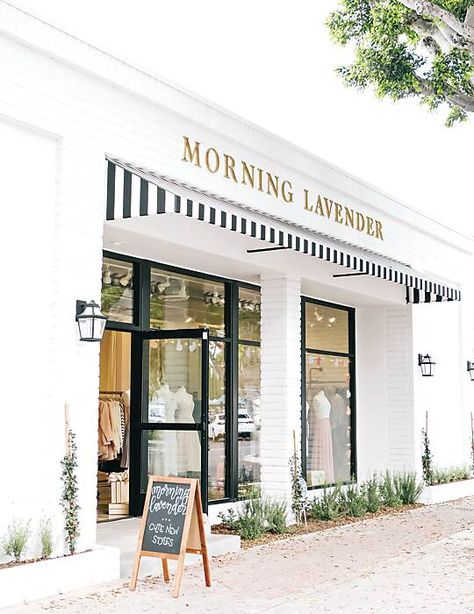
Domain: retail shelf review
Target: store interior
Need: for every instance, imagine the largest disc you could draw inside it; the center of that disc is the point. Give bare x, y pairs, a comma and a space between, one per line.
113, 454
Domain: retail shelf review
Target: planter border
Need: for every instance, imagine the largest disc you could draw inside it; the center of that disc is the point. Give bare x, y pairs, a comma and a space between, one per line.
440, 493
50, 577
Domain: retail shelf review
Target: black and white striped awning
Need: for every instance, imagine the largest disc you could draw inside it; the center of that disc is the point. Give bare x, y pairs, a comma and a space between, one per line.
136, 192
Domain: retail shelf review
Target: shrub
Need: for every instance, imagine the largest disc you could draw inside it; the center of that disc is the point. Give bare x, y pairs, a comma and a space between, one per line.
329, 505
388, 493
452, 474
46, 537
249, 519
70, 493
370, 490
275, 516
407, 488
354, 501
14, 544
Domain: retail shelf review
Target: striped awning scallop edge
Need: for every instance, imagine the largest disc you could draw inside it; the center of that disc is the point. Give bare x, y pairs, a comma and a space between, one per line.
136, 192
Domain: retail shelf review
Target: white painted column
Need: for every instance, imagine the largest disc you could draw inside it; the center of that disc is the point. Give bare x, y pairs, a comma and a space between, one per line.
281, 381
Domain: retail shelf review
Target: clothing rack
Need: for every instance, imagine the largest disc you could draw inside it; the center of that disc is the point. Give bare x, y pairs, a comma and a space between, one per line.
120, 392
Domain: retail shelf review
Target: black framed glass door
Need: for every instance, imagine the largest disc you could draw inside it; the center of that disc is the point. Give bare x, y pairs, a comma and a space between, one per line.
170, 432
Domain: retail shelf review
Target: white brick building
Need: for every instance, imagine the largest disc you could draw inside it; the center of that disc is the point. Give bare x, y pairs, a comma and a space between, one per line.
330, 309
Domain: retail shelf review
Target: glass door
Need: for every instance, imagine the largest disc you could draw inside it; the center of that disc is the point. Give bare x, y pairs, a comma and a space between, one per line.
171, 436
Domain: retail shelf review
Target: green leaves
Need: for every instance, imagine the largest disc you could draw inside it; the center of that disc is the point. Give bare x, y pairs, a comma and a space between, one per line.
70, 493
401, 54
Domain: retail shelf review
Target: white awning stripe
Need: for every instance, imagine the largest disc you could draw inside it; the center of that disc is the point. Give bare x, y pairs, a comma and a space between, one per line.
134, 192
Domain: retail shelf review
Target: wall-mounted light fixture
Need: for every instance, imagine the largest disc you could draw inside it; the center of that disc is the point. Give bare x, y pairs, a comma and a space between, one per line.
426, 364
470, 370
90, 321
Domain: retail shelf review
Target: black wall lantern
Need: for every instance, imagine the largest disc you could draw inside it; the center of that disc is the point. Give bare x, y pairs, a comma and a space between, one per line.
426, 365
470, 370
90, 321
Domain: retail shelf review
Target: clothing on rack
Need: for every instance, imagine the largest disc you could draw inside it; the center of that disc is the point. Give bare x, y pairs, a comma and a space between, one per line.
113, 421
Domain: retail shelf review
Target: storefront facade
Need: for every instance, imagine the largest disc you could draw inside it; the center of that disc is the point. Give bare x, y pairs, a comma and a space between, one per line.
264, 301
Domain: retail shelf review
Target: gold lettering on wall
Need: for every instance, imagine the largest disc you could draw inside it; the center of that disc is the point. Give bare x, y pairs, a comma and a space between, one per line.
271, 184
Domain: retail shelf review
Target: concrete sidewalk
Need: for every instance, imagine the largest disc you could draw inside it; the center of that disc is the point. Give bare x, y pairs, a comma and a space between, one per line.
418, 561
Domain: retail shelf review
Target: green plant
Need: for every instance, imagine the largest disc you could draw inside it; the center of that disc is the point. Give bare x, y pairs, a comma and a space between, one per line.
14, 544
354, 501
275, 516
407, 488
388, 493
299, 501
46, 538
70, 492
451, 474
329, 505
371, 491
427, 458
249, 518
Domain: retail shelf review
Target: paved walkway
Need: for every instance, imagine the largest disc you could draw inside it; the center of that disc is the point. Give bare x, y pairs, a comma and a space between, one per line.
418, 561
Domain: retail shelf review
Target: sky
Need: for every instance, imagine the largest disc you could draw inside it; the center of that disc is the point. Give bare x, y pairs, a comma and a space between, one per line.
272, 62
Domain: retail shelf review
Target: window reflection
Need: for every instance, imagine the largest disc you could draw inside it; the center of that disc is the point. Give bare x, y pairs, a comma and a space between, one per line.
217, 420
327, 328
249, 314
249, 418
117, 290
180, 301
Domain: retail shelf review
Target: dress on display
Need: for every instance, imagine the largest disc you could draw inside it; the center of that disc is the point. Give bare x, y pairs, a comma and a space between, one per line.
188, 443
320, 452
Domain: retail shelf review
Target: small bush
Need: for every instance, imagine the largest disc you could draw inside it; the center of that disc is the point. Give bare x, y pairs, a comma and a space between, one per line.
407, 488
249, 519
370, 490
354, 501
14, 544
329, 505
452, 474
275, 516
46, 537
388, 492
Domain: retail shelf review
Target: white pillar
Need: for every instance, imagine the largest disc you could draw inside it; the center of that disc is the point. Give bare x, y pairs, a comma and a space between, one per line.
281, 381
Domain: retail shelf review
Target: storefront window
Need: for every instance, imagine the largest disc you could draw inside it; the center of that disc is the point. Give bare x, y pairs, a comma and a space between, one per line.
175, 453
327, 428
249, 418
117, 290
249, 314
327, 328
217, 420
181, 301
174, 381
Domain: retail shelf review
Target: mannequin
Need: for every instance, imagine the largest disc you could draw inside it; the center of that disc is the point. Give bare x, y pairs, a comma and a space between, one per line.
320, 454
188, 444
340, 423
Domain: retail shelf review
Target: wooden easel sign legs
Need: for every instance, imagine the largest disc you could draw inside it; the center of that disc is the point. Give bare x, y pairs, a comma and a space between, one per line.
172, 525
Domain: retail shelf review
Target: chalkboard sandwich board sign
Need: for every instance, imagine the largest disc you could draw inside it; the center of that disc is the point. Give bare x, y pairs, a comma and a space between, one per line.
172, 525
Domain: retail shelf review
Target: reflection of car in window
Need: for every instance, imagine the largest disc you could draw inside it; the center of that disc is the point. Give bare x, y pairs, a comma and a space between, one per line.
217, 426
246, 425
156, 411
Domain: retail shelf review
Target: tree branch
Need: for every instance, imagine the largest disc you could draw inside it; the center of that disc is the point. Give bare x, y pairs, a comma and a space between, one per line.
459, 100
426, 7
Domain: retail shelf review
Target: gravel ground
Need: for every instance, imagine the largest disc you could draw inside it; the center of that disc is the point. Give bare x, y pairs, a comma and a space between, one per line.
418, 561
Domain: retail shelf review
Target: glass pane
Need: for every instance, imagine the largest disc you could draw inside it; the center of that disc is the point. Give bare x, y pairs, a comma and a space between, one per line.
249, 314
327, 328
179, 301
217, 420
249, 418
117, 290
166, 453
174, 384
328, 411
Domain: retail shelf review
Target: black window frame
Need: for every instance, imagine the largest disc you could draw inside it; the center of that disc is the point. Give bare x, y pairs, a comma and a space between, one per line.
351, 355
141, 324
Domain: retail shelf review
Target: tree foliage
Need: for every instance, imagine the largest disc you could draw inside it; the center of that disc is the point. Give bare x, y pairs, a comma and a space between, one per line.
410, 48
